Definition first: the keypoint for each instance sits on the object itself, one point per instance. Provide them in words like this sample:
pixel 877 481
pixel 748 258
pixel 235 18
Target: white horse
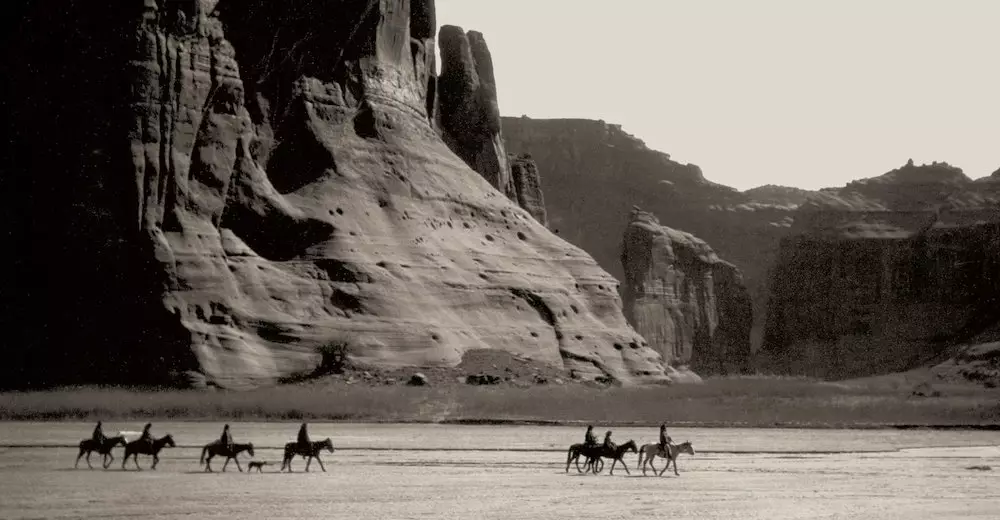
pixel 650 451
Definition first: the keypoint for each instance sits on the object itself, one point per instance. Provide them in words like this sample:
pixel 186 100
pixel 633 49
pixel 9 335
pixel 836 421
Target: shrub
pixel 336 357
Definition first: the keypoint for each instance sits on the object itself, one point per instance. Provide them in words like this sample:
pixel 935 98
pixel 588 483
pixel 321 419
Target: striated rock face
pixel 885 274
pixel 527 186
pixel 691 306
pixel 230 186
pixel 595 172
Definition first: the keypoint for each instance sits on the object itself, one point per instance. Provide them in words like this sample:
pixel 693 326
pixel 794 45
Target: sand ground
pixel 434 471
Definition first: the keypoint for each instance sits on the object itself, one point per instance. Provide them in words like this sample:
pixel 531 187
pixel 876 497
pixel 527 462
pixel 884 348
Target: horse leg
pixel 82 451
pixel 321 466
pixel 135 459
pixel 613 464
pixel 156 459
pixel 665 467
pixel 225 464
pixel 627 472
pixel 237 460
pixel 107 462
pixel 208 463
pixel 308 462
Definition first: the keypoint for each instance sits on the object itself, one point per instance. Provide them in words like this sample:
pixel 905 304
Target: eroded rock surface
pixel 594 172
pixel 885 274
pixel 691 306
pixel 527 186
pixel 234 185
pixel 468 114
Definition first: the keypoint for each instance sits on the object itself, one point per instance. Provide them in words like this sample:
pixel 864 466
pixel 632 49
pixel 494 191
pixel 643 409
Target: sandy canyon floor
pixel 438 471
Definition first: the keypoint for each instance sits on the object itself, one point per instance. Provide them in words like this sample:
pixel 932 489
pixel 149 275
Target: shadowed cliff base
pixel 723 402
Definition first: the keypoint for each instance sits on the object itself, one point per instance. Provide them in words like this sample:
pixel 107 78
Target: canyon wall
pixel 687 303
pixel 595 172
pixel 885 274
pixel 210 192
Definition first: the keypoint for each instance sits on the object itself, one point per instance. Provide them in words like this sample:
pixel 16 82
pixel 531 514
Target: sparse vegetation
pixel 733 401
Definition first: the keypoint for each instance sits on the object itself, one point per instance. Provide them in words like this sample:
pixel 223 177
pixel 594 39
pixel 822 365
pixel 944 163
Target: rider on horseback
pixel 664 438
pixel 98 435
pixel 146 436
pixel 608 445
pixel 303 439
pixel 589 439
pixel 227 438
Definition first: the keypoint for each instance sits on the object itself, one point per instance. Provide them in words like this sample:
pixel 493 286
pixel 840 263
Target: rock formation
pixel 468 114
pixel 595 172
pixel 690 306
pixel 213 191
pixel 527 186
pixel 469 120
pixel 885 274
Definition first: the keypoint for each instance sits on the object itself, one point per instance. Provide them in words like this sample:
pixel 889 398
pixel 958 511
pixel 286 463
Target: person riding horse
pixel 608 445
pixel 303 439
pixel 227 438
pixel 589 439
pixel 664 438
pixel 146 436
pixel 98 435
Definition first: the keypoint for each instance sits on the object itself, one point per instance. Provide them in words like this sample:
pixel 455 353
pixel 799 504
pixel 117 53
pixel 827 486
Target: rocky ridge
pixel 595 172
pixel 885 274
pixel 246 183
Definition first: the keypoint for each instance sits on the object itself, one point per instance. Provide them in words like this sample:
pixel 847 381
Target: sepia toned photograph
pixel 479 259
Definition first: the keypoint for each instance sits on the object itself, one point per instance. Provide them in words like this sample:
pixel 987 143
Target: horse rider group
pixel 99 437
pixel 590 441
pixel 225 440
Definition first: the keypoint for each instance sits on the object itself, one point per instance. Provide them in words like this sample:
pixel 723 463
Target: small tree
pixel 335 356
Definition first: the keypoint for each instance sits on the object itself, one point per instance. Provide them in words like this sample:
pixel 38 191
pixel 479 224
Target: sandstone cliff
pixel 885 274
pixel 469 115
pixel 469 120
pixel 595 172
pixel 689 305
pixel 211 191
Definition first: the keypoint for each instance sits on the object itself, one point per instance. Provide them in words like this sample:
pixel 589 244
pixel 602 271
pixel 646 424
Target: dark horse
pixel 594 453
pixel 104 448
pixel 134 448
pixel 311 452
pixel 216 448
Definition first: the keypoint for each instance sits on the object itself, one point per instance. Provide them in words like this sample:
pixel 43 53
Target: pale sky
pixel 793 92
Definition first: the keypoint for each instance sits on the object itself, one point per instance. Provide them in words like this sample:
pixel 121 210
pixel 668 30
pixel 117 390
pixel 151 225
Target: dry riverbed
pixel 448 471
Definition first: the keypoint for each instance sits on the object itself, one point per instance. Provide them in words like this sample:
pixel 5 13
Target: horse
pixel 615 455
pixel 134 448
pixel 595 452
pixel 652 450
pixel 574 452
pixel 311 452
pixel 217 448
pixel 104 448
